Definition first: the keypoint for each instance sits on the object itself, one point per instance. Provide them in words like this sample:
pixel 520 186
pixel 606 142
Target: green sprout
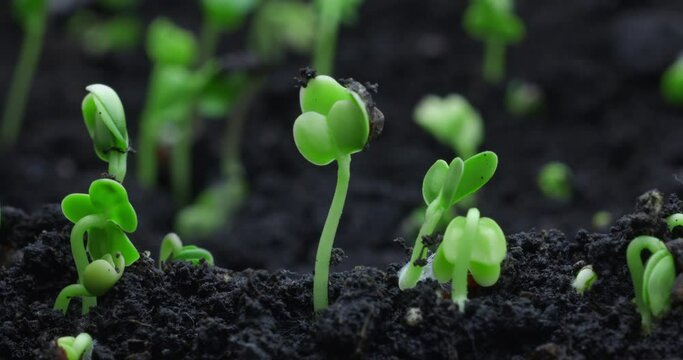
pixel 221 16
pixel 602 219
pixel 105 215
pixel 523 98
pixel 172 249
pixel 452 121
pixel 584 279
pixel 106 123
pixel 554 180
pixel 443 186
pixel 75 348
pixel 494 23
pixel 103 36
pixel 472 245
pixel 167 117
pixel 652 286
pixel 32 14
pixel 674 220
pixel 330 14
pixel 336 122
pixel 672 83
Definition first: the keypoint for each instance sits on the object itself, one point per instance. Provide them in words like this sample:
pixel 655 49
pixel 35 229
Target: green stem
pixel 208 42
pixel 326 43
pixel 15 103
pixel 181 165
pixel 322 257
pixel 412 272
pixel 78 250
pixel 195 254
pixel 494 61
pixel 69 292
pixel 635 267
pixel 118 165
pixel 147 163
pixel 459 278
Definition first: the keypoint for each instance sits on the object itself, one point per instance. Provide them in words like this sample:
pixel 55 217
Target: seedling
pixel 172 249
pixel 523 99
pixel 652 286
pixel 335 123
pixel 221 16
pixel 32 14
pixel 105 215
pixel 452 121
pixel 75 348
pixel 443 186
pixel 494 23
pixel 330 14
pixel 106 122
pixel 172 94
pixel 674 220
pixel 584 279
pixel 471 244
pixel 99 36
pixel 672 83
pixel 554 180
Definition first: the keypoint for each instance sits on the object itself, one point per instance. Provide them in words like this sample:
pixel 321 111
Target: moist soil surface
pixel 598 62
pixel 186 311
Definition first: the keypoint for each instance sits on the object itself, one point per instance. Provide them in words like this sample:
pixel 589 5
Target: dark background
pixel 598 61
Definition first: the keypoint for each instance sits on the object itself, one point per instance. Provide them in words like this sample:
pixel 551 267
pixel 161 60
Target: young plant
pixel 672 83
pixel 523 99
pixel 172 249
pixel 75 348
pixel 494 23
pixel 330 14
pixel 172 94
pixel 554 180
pixel 584 279
pixel 653 282
pixel 99 36
pixel 452 121
pixel 472 245
pixel 32 14
pixel 674 220
pixel 443 186
pixel 221 16
pixel 336 122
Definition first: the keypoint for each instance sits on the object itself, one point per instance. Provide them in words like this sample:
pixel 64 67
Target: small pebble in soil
pixel 413 316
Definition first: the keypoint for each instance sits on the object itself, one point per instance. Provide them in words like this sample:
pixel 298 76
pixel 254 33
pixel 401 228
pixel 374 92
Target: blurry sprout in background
pixel 652 284
pixel 494 23
pixel 75 348
pixel 32 15
pixel 278 27
pixel 584 279
pixel 554 180
pixel 173 90
pixel 453 122
pixel 100 36
pixel 523 98
pixel 472 245
pixel 672 82
pixel 330 14
pixel 443 186
pixel 172 249
pixel 602 219
pixel 221 16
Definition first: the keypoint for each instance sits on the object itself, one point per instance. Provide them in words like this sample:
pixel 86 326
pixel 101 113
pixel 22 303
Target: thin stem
pixel 494 61
pixel 323 59
pixel 69 292
pixel 118 165
pixel 208 41
pixel 322 257
pixel 147 147
pixel 15 103
pixel 459 278
pixel 181 164
pixel 78 250
pixel 635 267
pixel 411 275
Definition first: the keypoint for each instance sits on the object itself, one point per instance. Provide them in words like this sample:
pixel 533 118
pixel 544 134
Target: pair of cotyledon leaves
pixel 106 121
pixel 334 121
pixel 653 289
pixel 493 20
pixel 108 199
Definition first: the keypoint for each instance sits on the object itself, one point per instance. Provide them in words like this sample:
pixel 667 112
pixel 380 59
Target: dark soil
pixel 185 311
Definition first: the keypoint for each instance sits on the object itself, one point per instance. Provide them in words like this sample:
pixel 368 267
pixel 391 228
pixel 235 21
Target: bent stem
pixel 79 253
pixel 323 57
pixel 322 257
pixel 494 61
pixel 635 267
pixel 412 272
pixel 459 278
pixel 68 293
pixel 15 103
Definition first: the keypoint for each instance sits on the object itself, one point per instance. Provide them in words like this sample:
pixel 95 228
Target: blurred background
pixel 597 64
